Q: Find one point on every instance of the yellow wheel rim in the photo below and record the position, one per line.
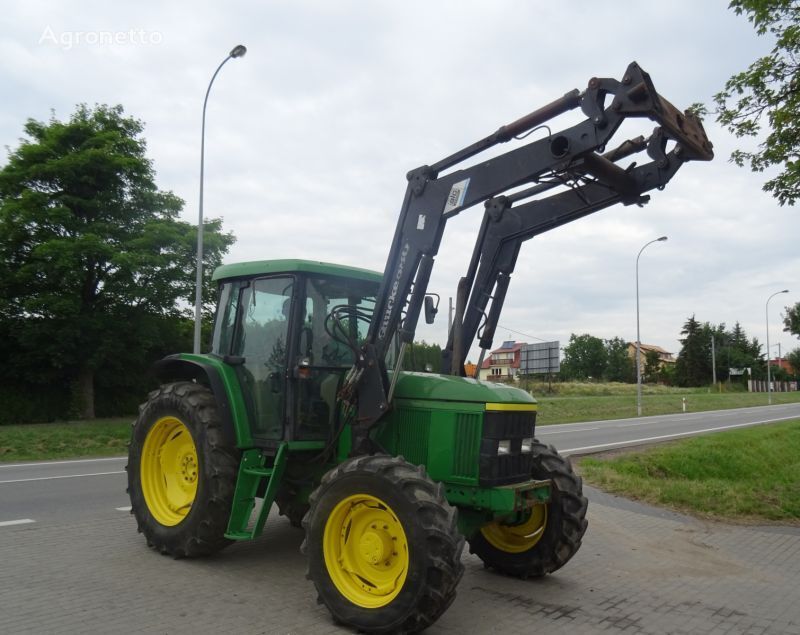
(169, 471)
(520, 537)
(366, 551)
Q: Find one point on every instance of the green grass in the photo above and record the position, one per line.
(41, 441)
(599, 406)
(745, 475)
(572, 402)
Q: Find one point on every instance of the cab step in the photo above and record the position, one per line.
(253, 470)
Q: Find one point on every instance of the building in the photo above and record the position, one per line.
(502, 363)
(782, 362)
(665, 358)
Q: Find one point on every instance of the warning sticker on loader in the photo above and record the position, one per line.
(456, 197)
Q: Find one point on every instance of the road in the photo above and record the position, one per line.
(73, 563)
(596, 436)
(67, 490)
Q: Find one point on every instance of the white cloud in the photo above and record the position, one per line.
(310, 136)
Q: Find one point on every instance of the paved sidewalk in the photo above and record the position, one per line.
(639, 571)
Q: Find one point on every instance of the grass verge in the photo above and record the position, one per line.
(744, 475)
(575, 402)
(42, 441)
(558, 409)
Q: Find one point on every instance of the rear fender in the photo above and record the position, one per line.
(207, 372)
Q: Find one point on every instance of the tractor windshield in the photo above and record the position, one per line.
(337, 315)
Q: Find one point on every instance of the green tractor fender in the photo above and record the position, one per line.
(223, 383)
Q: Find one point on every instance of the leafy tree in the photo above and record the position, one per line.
(794, 361)
(619, 365)
(791, 323)
(585, 357)
(652, 366)
(93, 259)
(766, 95)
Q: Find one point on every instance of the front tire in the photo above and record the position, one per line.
(383, 547)
(181, 472)
(550, 535)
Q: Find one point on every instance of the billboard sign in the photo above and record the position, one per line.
(539, 359)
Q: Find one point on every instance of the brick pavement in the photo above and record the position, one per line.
(639, 571)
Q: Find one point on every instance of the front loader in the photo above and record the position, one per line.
(302, 402)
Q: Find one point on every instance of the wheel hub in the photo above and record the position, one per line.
(189, 467)
(516, 538)
(169, 470)
(366, 551)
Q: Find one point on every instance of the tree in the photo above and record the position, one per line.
(619, 365)
(93, 259)
(767, 93)
(732, 348)
(585, 357)
(693, 367)
(794, 361)
(422, 357)
(652, 366)
(791, 323)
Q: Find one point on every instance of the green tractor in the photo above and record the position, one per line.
(302, 402)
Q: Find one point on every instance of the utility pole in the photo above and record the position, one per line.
(449, 315)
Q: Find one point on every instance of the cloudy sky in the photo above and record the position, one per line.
(309, 138)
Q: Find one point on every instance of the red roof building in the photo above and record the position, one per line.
(502, 363)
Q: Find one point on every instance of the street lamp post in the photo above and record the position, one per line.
(638, 336)
(769, 377)
(237, 51)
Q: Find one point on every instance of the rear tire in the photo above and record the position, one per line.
(384, 551)
(553, 530)
(181, 472)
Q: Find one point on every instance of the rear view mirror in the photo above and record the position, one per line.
(431, 309)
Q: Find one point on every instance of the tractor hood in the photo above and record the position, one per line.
(449, 388)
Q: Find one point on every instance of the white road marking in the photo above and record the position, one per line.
(50, 478)
(673, 436)
(541, 433)
(636, 425)
(46, 463)
(21, 521)
(123, 509)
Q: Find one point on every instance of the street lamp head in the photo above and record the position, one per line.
(662, 239)
(785, 291)
(238, 51)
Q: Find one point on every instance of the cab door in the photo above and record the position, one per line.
(262, 341)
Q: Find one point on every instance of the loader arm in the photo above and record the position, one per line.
(432, 198)
(506, 226)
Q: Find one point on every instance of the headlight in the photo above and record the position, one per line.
(503, 447)
(527, 444)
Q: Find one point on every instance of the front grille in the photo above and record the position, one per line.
(412, 434)
(467, 444)
(505, 425)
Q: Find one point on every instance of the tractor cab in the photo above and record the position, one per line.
(284, 326)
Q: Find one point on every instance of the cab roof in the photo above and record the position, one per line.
(268, 267)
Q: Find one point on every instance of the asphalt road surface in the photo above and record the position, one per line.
(597, 436)
(72, 562)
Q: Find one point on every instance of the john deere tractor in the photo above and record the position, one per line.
(302, 402)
